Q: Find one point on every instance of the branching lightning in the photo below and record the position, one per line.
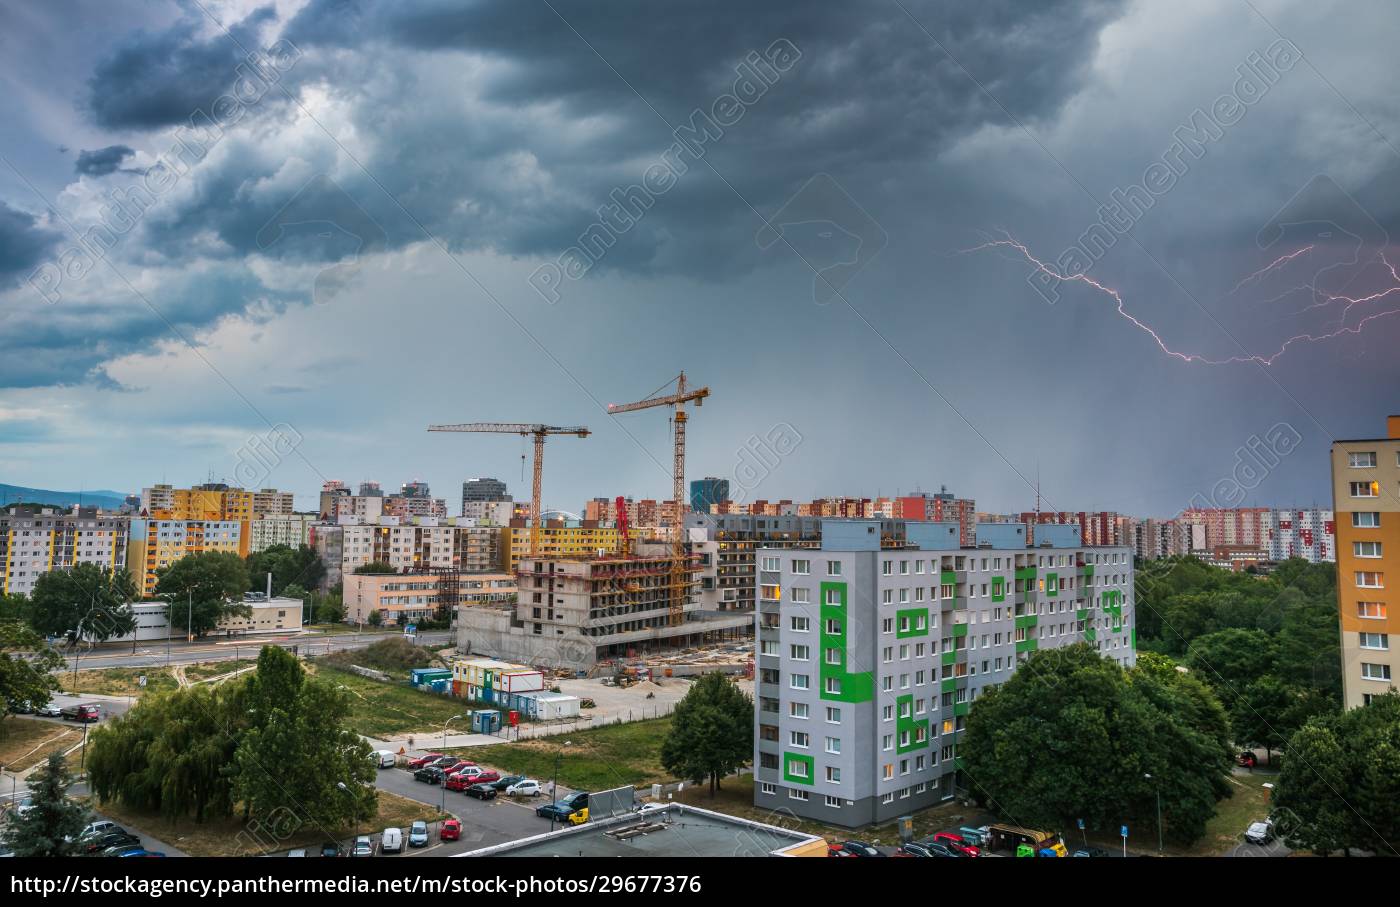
(1327, 299)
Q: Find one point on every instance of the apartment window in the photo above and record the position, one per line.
(770, 564)
(801, 624)
(1378, 641)
(833, 656)
(799, 739)
(1365, 489)
(1364, 460)
(833, 775)
(833, 597)
(799, 682)
(833, 568)
(833, 686)
(1371, 610)
(833, 715)
(886, 568)
(802, 568)
(797, 709)
(768, 787)
(1367, 579)
(800, 596)
(800, 653)
(833, 802)
(1365, 519)
(1374, 671)
(1366, 549)
(794, 794)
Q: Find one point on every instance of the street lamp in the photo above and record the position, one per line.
(1158, 787)
(554, 785)
(444, 746)
(355, 813)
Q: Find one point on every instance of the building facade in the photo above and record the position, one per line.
(158, 543)
(708, 492)
(871, 652)
(409, 598)
(292, 529)
(35, 539)
(409, 546)
(1366, 501)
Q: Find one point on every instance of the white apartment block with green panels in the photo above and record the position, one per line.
(869, 657)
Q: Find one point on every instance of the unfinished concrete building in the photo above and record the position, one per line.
(572, 612)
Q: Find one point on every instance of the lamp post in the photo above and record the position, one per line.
(1158, 787)
(355, 813)
(554, 784)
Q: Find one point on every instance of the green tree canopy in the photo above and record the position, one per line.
(203, 589)
(375, 568)
(27, 664)
(299, 566)
(88, 594)
(1073, 736)
(711, 732)
(52, 824)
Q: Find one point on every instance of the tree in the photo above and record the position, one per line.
(52, 824)
(209, 585)
(86, 596)
(328, 608)
(1334, 768)
(1230, 660)
(711, 732)
(300, 566)
(27, 664)
(375, 618)
(375, 568)
(1071, 735)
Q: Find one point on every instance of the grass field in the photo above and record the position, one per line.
(386, 709)
(594, 759)
(117, 681)
(25, 742)
(230, 838)
(198, 672)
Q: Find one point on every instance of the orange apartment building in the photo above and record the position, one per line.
(1366, 500)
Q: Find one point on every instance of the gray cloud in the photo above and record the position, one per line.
(23, 242)
(103, 161)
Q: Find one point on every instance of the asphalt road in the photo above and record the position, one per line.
(156, 654)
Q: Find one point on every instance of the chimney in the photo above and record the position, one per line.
(1392, 424)
(269, 585)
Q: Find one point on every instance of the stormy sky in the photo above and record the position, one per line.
(1119, 246)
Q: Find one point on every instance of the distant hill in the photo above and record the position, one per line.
(104, 498)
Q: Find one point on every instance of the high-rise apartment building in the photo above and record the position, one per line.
(939, 508)
(159, 541)
(271, 502)
(1366, 501)
(409, 546)
(35, 539)
(482, 489)
(707, 492)
(871, 651)
(291, 529)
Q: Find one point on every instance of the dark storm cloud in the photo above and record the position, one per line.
(103, 161)
(23, 242)
(159, 78)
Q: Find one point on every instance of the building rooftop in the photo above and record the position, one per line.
(677, 830)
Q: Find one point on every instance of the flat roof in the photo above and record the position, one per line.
(677, 830)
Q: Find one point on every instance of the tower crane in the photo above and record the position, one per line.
(683, 395)
(540, 432)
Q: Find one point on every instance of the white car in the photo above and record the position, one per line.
(385, 758)
(49, 711)
(652, 807)
(391, 841)
(100, 827)
(1260, 832)
(527, 788)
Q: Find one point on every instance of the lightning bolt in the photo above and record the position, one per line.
(1010, 242)
(1276, 263)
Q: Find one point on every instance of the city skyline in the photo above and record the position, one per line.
(926, 285)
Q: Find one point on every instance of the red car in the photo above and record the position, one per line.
(457, 782)
(487, 777)
(1247, 759)
(426, 759)
(451, 830)
(956, 843)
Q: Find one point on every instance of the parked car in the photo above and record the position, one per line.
(560, 809)
(503, 784)
(425, 759)
(578, 817)
(84, 713)
(299, 852)
(364, 847)
(141, 852)
(976, 836)
(385, 758)
(430, 775)
(1260, 832)
(470, 771)
(481, 791)
(117, 850)
(119, 838)
(852, 849)
(1090, 852)
(418, 834)
(330, 849)
(456, 766)
(487, 776)
(99, 827)
(457, 782)
(956, 843)
(391, 841)
(1247, 759)
(449, 763)
(20, 708)
(652, 807)
(922, 849)
(451, 830)
(525, 787)
(49, 711)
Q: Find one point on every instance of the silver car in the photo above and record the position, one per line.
(1260, 832)
(418, 834)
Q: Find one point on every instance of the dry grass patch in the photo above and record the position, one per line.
(26, 742)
